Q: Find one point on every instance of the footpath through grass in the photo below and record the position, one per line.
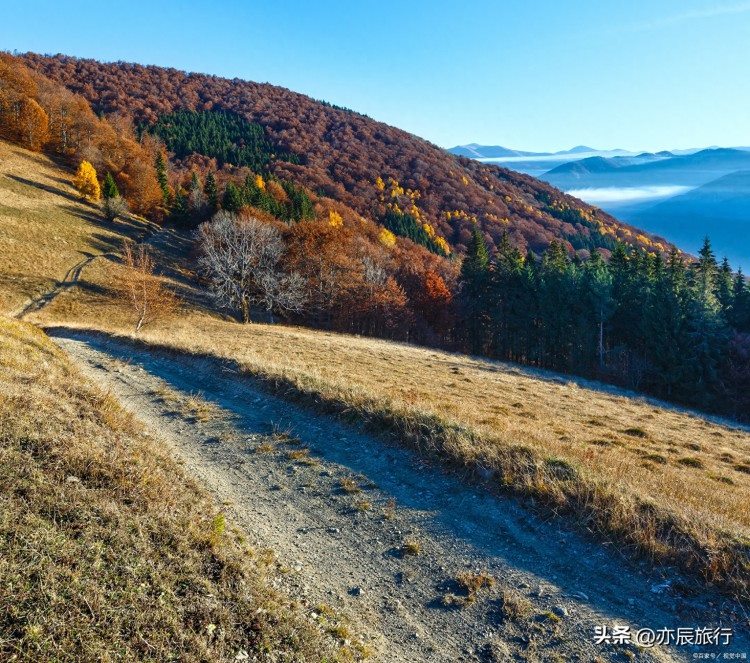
(108, 551)
(601, 482)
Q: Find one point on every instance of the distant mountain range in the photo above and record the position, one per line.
(720, 209)
(497, 151)
(536, 163)
(649, 169)
(682, 195)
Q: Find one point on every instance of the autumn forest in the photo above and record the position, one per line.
(351, 225)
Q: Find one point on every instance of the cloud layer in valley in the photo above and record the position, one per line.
(627, 194)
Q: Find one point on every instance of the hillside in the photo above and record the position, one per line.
(381, 263)
(433, 383)
(596, 431)
(123, 555)
(45, 229)
(343, 508)
(341, 153)
(624, 464)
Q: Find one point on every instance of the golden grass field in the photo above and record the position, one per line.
(669, 483)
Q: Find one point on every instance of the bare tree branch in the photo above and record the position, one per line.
(240, 258)
(148, 297)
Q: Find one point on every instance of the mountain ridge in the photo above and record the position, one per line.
(478, 151)
(689, 169)
(720, 208)
(345, 152)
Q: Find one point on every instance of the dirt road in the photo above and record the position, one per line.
(366, 527)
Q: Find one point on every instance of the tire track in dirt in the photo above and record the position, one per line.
(71, 278)
(73, 275)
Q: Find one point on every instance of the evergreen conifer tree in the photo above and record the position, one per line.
(740, 313)
(474, 278)
(211, 192)
(725, 288)
(163, 179)
(706, 272)
(109, 187)
(233, 200)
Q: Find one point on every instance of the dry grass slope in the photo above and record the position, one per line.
(44, 228)
(108, 552)
(667, 483)
(619, 464)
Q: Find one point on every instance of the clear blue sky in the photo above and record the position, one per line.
(542, 75)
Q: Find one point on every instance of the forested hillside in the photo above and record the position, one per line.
(342, 153)
(323, 217)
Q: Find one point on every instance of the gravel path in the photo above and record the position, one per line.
(338, 507)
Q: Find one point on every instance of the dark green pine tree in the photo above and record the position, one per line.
(180, 210)
(707, 331)
(630, 287)
(706, 273)
(477, 260)
(666, 340)
(596, 299)
(233, 200)
(163, 179)
(474, 291)
(531, 310)
(300, 207)
(740, 313)
(211, 192)
(558, 307)
(109, 187)
(725, 288)
(509, 302)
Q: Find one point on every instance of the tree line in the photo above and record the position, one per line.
(675, 328)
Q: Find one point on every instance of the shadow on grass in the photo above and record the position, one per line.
(46, 187)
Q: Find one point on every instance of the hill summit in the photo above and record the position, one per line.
(342, 154)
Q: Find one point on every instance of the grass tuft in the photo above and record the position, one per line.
(411, 546)
(691, 461)
(514, 607)
(472, 582)
(635, 432)
(349, 486)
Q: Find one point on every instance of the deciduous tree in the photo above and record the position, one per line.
(240, 257)
(148, 298)
(86, 182)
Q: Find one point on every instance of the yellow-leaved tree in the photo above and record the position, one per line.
(387, 238)
(86, 182)
(335, 219)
